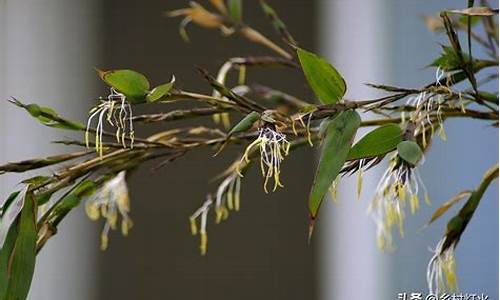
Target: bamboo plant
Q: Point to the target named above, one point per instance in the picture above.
(271, 124)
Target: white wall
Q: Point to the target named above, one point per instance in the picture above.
(353, 36)
(48, 48)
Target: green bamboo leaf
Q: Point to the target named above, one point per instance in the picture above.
(85, 188)
(36, 180)
(43, 198)
(48, 117)
(10, 211)
(277, 23)
(489, 97)
(22, 262)
(7, 203)
(450, 60)
(377, 142)
(271, 13)
(410, 152)
(245, 123)
(75, 196)
(323, 78)
(62, 206)
(132, 84)
(339, 136)
(158, 92)
(474, 20)
(5, 255)
(235, 10)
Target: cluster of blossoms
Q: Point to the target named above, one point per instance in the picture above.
(429, 105)
(399, 184)
(111, 200)
(117, 111)
(401, 181)
(227, 198)
(273, 147)
(441, 270)
(424, 105)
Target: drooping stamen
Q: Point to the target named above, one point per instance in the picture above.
(117, 117)
(110, 201)
(398, 184)
(201, 213)
(441, 270)
(273, 148)
(305, 125)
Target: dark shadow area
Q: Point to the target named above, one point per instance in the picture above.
(260, 252)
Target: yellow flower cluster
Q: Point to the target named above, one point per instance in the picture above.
(111, 200)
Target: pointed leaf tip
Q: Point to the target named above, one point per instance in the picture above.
(160, 91)
(323, 78)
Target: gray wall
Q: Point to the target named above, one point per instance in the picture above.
(48, 48)
(354, 37)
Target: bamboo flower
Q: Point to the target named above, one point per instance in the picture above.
(109, 201)
(201, 213)
(227, 196)
(273, 147)
(399, 184)
(117, 111)
(441, 270)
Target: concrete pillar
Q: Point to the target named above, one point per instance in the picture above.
(48, 49)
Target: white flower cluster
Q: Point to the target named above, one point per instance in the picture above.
(399, 184)
(118, 113)
(273, 147)
(111, 200)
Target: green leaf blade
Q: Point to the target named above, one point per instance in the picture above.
(323, 78)
(245, 123)
(10, 212)
(339, 136)
(48, 116)
(162, 90)
(20, 253)
(5, 254)
(132, 84)
(450, 60)
(377, 142)
(410, 152)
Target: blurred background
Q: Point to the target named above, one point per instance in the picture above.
(48, 49)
